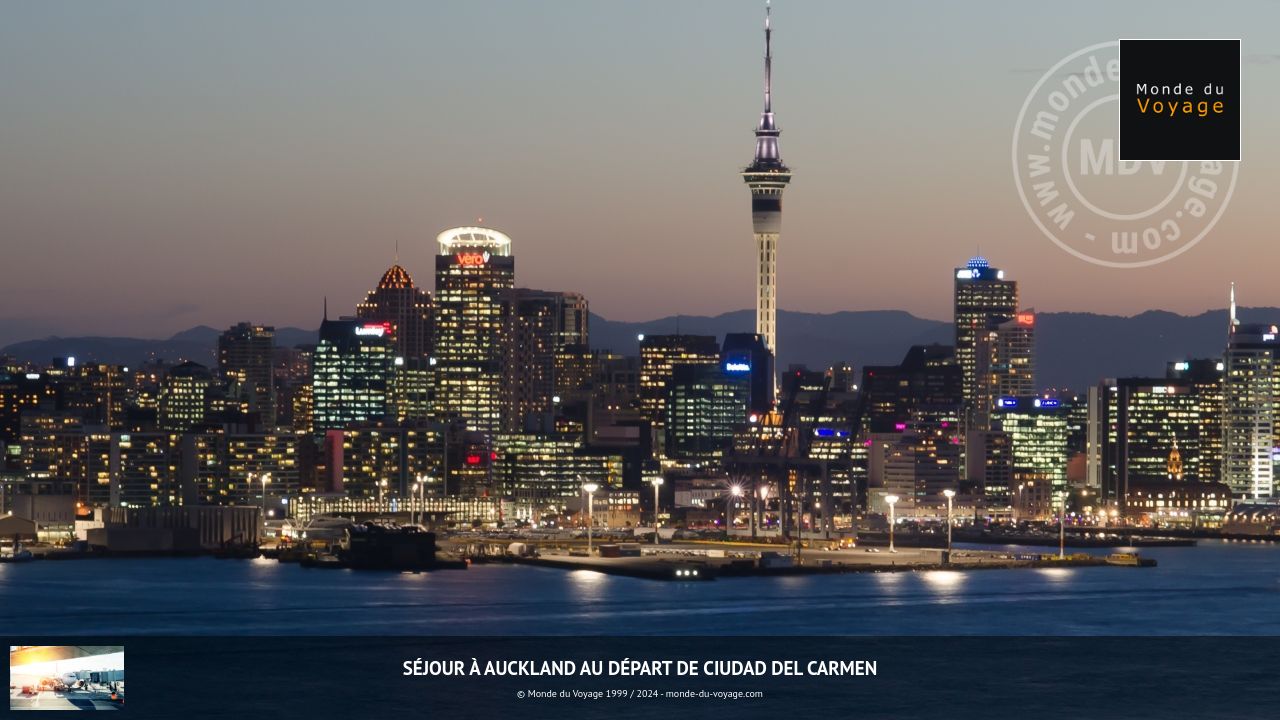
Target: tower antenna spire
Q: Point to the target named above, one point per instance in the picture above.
(1234, 320)
(768, 58)
(767, 176)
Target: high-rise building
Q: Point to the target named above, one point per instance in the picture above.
(19, 393)
(543, 324)
(1037, 432)
(413, 389)
(745, 355)
(545, 473)
(381, 460)
(1005, 363)
(767, 177)
(55, 451)
(146, 469)
(706, 404)
(1134, 423)
(1251, 385)
(659, 356)
(917, 464)
(988, 458)
(229, 468)
(475, 274)
(246, 362)
(982, 294)
(927, 383)
(184, 397)
(351, 373)
(95, 391)
(1206, 378)
(398, 301)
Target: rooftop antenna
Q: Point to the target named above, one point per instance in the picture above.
(326, 307)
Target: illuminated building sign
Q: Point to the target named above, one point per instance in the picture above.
(472, 259)
(737, 367)
(1008, 402)
(1047, 402)
(1026, 319)
(374, 329)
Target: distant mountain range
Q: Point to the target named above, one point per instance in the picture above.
(1074, 350)
(199, 343)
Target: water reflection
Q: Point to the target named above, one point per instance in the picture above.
(948, 580)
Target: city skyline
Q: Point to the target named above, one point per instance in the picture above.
(243, 179)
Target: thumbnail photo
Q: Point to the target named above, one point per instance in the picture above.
(66, 677)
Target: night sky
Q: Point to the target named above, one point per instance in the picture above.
(164, 165)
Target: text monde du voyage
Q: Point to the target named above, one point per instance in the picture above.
(639, 668)
(1180, 99)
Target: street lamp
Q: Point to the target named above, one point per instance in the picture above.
(950, 495)
(657, 483)
(1062, 529)
(591, 489)
(264, 477)
(421, 486)
(764, 505)
(735, 492)
(892, 500)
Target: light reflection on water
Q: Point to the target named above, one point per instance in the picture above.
(1216, 588)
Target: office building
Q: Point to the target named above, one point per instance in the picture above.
(705, 406)
(543, 325)
(396, 300)
(475, 274)
(659, 356)
(185, 396)
(1206, 376)
(1251, 385)
(351, 373)
(246, 363)
(1037, 432)
(982, 294)
(1134, 423)
(745, 355)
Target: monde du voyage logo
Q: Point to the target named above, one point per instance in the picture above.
(1125, 152)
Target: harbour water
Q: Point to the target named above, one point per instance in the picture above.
(1216, 588)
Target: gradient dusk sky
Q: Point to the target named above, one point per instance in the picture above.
(167, 164)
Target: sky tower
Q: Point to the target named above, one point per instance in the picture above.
(767, 177)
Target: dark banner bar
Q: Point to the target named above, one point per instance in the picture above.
(738, 677)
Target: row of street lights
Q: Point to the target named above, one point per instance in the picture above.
(893, 500)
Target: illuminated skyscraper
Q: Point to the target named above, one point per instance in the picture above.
(1005, 364)
(706, 404)
(767, 177)
(1133, 423)
(1250, 389)
(543, 324)
(1206, 378)
(475, 274)
(351, 373)
(408, 308)
(659, 356)
(1037, 432)
(184, 396)
(246, 361)
(982, 294)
